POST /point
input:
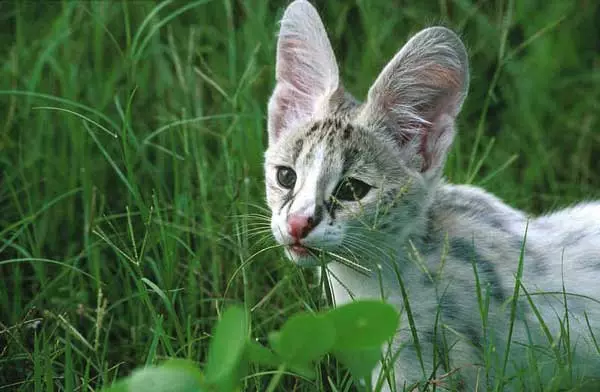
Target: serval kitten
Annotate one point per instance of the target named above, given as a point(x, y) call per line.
point(358, 187)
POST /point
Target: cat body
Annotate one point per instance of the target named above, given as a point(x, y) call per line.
point(360, 185)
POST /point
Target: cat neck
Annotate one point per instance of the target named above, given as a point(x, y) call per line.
point(392, 255)
point(452, 214)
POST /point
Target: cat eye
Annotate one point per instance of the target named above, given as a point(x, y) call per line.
point(286, 177)
point(351, 189)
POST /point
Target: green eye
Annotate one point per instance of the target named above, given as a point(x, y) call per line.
point(286, 177)
point(351, 189)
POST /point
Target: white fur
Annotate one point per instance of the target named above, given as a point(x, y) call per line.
point(412, 225)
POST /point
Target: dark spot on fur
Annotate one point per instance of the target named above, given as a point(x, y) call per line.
point(443, 355)
point(462, 250)
point(385, 226)
point(350, 158)
point(347, 132)
point(533, 258)
point(331, 138)
point(390, 197)
point(333, 134)
point(318, 216)
point(449, 308)
point(573, 238)
point(496, 223)
point(297, 149)
point(331, 128)
point(452, 314)
point(331, 206)
point(338, 123)
point(474, 336)
point(313, 129)
point(431, 233)
point(411, 206)
point(286, 199)
point(310, 154)
point(427, 336)
point(429, 280)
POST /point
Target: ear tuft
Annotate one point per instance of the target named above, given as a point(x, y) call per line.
point(420, 92)
point(306, 71)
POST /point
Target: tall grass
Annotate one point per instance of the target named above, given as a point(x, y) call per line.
point(131, 142)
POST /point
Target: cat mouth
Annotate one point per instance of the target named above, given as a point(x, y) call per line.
point(299, 249)
point(304, 256)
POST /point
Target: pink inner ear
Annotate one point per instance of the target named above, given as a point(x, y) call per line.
point(292, 93)
point(298, 86)
point(423, 150)
point(283, 103)
point(291, 68)
point(443, 77)
point(306, 71)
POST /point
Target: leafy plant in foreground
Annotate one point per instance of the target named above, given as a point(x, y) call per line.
point(353, 333)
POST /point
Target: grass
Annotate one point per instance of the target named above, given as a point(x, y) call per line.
point(131, 142)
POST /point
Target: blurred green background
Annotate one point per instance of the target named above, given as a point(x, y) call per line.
point(131, 142)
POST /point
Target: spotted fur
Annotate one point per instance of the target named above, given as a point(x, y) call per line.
point(412, 225)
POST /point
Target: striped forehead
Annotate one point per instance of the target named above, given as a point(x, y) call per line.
point(325, 140)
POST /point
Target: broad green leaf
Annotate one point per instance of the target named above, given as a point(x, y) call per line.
point(360, 362)
point(257, 353)
point(274, 338)
point(304, 370)
point(173, 376)
point(363, 324)
point(227, 348)
point(120, 386)
point(184, 365)
point(304, 338)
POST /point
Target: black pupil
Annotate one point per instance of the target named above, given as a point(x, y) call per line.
point(286, 177)
point(351, 189)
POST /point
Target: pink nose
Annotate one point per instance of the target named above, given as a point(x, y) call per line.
point(299, 226)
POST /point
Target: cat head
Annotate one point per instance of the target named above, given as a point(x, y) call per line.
point(335, 168)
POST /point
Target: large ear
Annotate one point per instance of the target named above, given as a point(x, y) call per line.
point(306, 72)
point(418, 94)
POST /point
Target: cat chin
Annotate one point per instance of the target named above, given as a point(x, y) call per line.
point(302, 260)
